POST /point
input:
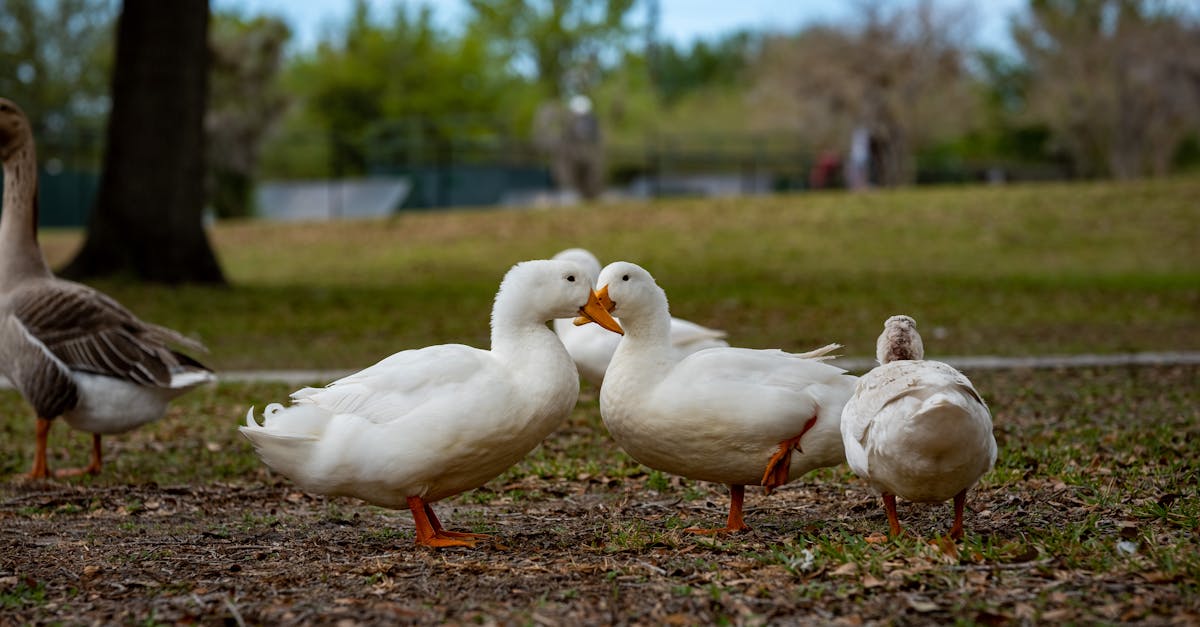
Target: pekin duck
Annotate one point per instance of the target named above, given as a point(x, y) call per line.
point(917, 428)
point(730, 415)
point(427, 424)
point(592, 347)
point(69, 349)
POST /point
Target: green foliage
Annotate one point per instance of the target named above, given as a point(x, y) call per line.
point(56, 56)
point(722, 63)
point(564, 40)
point(402, 69)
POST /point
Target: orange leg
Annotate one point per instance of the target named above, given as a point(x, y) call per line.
point(427, 535)
point(780, 463)
point(438, 529)
point(960, 501)
point(737, 494)
point(40, 471)
point(889, 503)
point(93, 468)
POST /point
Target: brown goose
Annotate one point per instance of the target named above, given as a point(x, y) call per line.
point(73, 351)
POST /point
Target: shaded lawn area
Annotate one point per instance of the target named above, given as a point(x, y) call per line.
point(1090, 515)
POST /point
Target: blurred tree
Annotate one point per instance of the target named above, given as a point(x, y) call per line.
point(148, 219)
point(679, 70)
point(245, 103)
point(53, 57)
point(1117, 81)
point(898, 80)
point(562, 40)
point(404, 70)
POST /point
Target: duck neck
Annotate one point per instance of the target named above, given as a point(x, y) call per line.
point(650, 333)
point(647, 335)
point(516, 334)
point(20, 257)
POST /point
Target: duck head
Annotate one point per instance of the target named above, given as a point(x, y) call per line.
point(554, 289)
point(585, 259)
point(626, 289)
point(899, 341)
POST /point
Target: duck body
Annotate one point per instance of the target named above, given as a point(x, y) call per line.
point(917, 428)
point(592, 347)
point(729, 415)
point(720, 414)
point(432, 423)
point(71, 350)
point(426, 424)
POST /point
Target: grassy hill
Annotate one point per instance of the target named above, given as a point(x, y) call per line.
point(1063, 268)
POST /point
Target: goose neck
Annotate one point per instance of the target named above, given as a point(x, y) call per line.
point(20, 256)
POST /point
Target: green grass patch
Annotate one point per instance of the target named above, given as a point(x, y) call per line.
point(1098, 267)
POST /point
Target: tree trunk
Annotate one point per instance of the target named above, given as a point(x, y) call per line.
point(148, 217)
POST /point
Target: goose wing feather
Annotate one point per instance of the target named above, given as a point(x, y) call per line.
point(89, 331)
point(41, 377)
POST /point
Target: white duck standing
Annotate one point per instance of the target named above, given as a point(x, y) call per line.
point(427, 424)
point(730, 415)
point(73, 351)
point(592, 347)
point(917, 428)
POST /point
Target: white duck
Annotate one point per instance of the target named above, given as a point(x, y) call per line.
point(73, 351)
point(592, 347)
point(731, 415)
point(915, 428)
point(426, 424)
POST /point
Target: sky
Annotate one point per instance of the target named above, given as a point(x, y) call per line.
point(681, 21)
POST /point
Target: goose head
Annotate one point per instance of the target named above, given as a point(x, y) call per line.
point(15, 131)
point(550, 289)
point(899, 341)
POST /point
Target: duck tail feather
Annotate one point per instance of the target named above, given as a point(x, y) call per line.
point(821, 354)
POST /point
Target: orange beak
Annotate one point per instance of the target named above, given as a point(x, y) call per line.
point(596, 310)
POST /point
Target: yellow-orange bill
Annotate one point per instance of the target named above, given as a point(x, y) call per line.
point(596, 310)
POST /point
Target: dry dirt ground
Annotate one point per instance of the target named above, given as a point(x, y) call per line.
point(1083, 520)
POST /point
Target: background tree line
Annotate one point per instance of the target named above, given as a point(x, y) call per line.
point(1099, 87)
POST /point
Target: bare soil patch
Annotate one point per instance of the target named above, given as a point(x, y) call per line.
point(1091, 515)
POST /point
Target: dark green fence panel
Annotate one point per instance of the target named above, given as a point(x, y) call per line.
point(65, 197)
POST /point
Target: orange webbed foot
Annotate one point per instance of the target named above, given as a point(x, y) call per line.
point(430, 532)
point(442, 540)
point(463, 534)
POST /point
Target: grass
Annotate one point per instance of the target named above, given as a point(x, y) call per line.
point(1014, 270)
point(1091, 513)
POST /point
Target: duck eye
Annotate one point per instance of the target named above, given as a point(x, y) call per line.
point(625, 278)
point(571, 278)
